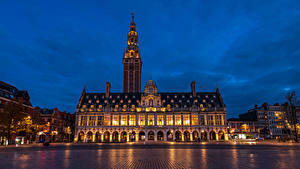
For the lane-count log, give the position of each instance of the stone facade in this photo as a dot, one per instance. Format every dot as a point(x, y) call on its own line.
point(149, 115)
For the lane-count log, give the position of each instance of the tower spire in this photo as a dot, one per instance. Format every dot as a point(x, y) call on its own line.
point(132, 50)
point(132, 16)
point(132, 63)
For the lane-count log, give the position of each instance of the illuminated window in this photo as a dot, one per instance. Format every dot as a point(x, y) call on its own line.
point(218, 120)
point(115, 121)
point(169, 107)
point(132, 120)
point(91, 121)
point(195, 120)
point(123, 120)
point(177, 120)
point(141, 120)
point(107, 120)
point(81, 121)
point(160, 120)
point(186, 120)
point(150, 120)
point(169, 120)
point(202, 120)
point(100, 121)
point(211, 120)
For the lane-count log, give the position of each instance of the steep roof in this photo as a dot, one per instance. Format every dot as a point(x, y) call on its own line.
point(174, 99)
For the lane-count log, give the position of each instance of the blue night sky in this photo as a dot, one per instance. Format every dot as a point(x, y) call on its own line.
point(251, 49)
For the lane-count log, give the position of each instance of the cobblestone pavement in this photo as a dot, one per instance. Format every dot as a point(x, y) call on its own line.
point(151, 156)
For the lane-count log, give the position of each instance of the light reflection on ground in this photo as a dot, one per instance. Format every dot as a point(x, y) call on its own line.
point(151, 156)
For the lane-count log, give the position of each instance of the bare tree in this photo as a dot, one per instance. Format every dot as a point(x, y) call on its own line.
point(291, 112)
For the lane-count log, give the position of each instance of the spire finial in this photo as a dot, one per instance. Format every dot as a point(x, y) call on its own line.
point(132, 15)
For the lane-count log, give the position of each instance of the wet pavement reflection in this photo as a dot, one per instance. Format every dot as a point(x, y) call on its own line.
point(151, 156)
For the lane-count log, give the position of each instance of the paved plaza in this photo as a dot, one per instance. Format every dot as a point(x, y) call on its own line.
point(210, 156)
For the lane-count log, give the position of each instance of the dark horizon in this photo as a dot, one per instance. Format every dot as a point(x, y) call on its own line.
point(249, 49)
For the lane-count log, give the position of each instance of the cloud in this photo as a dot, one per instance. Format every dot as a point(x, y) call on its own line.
point(249, 48)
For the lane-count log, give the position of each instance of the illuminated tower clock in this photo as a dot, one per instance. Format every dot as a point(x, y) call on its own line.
point(132, 63)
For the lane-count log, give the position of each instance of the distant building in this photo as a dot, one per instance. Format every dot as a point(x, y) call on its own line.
point(9, 93)
point(149, 115)
point(268, 121)
point(244, 127)
point(59, 126)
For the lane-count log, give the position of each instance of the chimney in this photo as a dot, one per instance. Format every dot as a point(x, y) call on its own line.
point(107, 89)
point(193, 88)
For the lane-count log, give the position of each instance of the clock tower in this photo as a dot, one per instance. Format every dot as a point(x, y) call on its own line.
point(132, 63)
